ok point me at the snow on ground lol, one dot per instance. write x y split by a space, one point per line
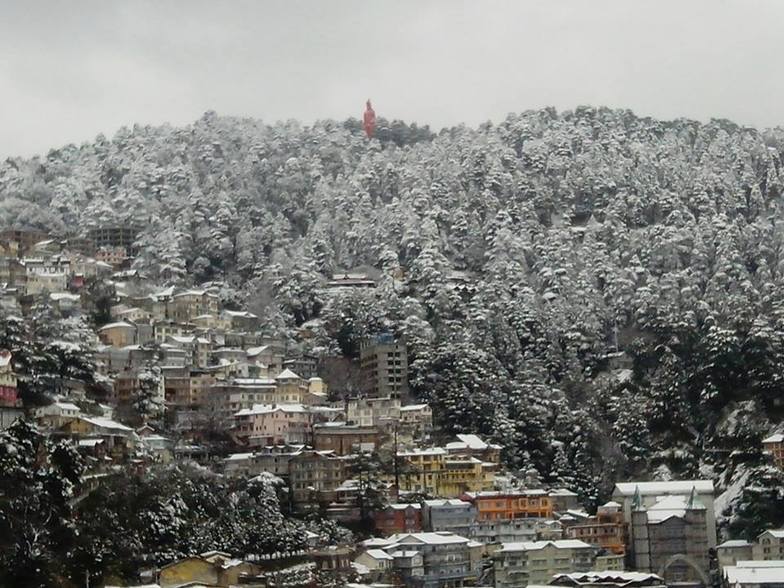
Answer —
730 496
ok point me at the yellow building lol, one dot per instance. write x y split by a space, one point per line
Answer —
434 471
119 334
212 568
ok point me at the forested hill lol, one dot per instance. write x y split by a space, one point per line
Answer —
577 234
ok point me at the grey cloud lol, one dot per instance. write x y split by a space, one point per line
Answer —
69 70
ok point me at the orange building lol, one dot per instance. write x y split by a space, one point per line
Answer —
607 529
511 505
398 518
774 445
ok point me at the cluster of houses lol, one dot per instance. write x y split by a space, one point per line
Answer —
656 534
33 263
650 535
444 515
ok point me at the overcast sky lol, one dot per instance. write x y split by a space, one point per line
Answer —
69 70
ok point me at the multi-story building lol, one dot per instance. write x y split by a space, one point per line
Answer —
9 248
670 537
239 320
517 565
225 399
379 563
648 493
398 518
754 574
266 424
45 279
55 415
774 446
114 256
511 505
437 472
163 329
12 272
127 384
185 306
564 499
417 417
120 236
449 514
81 245
497 531
345 439
188 389
371 412
464 473
731 552
269 356
120 334
474 446
384 367
273 459
305 365
25 238
420 470
289 387
315 476
133 315
197 348
606 530
769 545
8 382
446 558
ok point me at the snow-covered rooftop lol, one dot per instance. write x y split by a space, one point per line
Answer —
239 457
117 325
776 438
57 296
418 451
755 573
734 543
240 314
66 406
405 505
439 538
256 350
611 575
413 407
287 374
662 488
536 545
105 423
269 408
447 502
378 554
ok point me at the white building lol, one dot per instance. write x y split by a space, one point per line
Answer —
754 574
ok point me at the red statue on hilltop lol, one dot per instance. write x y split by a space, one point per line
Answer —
369 120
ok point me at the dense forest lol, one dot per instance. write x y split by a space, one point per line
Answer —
598 292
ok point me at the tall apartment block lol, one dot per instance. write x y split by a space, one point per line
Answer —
384 367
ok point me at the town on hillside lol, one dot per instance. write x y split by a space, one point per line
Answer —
345 476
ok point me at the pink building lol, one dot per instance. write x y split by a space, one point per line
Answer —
8 393
269 424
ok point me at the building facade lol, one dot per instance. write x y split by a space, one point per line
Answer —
517 565
774 446
670 538
384 367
